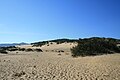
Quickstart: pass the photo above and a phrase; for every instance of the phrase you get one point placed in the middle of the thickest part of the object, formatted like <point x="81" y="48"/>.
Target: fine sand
<point x="52" y="65"/>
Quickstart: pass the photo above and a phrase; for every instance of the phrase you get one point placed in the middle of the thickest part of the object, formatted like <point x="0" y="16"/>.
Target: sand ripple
<point x="51" y="66"/>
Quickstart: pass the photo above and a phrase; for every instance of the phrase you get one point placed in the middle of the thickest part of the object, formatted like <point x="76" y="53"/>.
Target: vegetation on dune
<point x="38" y="50"/>
<point x="13" y="48"/>
<point x="85" y="47"/>
<point x="21" y="49"/>
<point x="57" y="41"/>
<point x="39" y="43"/>
<point x="3" y="51"/>
<point x="95" y="46"/>
<point x="29" y="49"/>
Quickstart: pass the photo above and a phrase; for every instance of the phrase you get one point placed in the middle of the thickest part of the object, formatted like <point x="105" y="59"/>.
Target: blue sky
<point x="36" y="20"/>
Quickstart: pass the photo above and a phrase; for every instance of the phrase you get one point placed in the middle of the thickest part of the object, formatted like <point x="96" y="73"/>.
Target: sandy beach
<point x="58" y="66"/>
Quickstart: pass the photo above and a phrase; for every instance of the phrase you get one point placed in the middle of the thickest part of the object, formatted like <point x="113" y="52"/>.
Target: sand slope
<point x="53" y="47"/>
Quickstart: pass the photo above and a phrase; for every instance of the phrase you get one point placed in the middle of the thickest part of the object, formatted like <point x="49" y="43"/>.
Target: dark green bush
<point x="29" y="49"/>
<point x="51" y="43"/>
<point x="39" y="44"/>
<point x="95" y="46"/>
<point x="60" y="51"/>
<point x="10" y="48"/>
<point x="38" y="50"/>
<point x="3" y="52"/>
<point x="21" y="49"/>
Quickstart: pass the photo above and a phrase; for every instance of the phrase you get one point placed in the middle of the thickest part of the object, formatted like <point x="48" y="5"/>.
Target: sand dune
<point x="51" y="66"/>
<point x="53" y="47"/>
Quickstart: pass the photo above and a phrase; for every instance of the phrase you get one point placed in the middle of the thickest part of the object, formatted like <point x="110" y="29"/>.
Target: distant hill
<point x="13" y="44"/>
<point x="59" y="41"/>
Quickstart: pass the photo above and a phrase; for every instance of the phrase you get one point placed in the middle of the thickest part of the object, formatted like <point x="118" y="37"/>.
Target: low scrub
<point x="29" y="49"/>
<point x="3" y="52"/>
<point x="12" y="49"/>
<point x="95" y="46"/>
<point x="38" y="50"/>
<point x="60" y="51"/>
<point x="21" y="49"/>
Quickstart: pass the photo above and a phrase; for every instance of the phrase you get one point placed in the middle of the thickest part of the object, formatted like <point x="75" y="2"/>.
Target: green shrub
<point x="21" y="49"/>
<point x="38" y="50"/>
<point x="3" y="52"/>
<point x="51" y="43"/>
<point x="12" y="49"/>
<point x="29" y="49"/>
<point x="95" y="46"/>
<point x="60" y="51"/>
